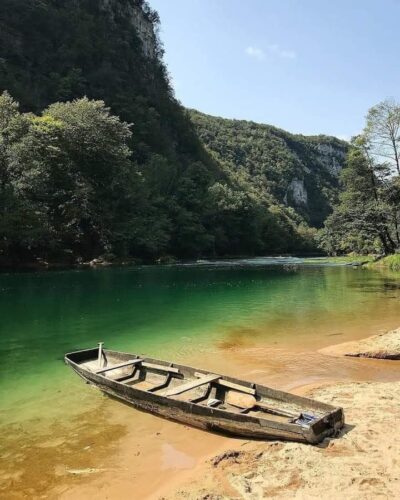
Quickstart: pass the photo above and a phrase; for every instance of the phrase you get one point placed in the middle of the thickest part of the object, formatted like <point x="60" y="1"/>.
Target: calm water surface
<point x="193" y="313"/>
<point x="173" y="311"/>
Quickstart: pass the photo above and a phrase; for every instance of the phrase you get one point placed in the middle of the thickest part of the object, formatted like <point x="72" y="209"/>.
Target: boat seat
<point x="161" y="368"/>
<point x="191" y="385"/>
<point x="125" y="364"/>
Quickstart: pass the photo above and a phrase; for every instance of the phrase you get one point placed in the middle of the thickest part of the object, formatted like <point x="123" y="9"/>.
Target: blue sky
<point x="308" y="66"/>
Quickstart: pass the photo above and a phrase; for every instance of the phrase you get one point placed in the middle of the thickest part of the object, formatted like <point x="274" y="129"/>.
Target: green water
<point x="175" y="312"/>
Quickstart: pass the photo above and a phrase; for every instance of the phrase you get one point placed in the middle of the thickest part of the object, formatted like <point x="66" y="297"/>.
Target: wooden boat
<point x="206" y="400"/>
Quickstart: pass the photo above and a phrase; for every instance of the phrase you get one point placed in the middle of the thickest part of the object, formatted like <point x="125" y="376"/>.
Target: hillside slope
<point x="188" y="187"/>
<point x="298" y="171"/>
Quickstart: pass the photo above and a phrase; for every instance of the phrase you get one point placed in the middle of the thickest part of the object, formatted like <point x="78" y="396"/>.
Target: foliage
<point x="76" y="181"/>
<point x="366" y="220"/>
<point x="391" y="262"/>
<point x="271" y="158"/>
<point x="382" y="132"/>
<point x="67" y="180"/>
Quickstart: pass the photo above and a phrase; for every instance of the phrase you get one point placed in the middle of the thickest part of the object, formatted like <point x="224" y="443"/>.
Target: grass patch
<point x="391" y="262"/>
<point x="344" y="259"/>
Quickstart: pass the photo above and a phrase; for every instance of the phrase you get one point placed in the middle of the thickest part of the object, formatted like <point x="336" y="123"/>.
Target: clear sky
<point x="308" y="66"/>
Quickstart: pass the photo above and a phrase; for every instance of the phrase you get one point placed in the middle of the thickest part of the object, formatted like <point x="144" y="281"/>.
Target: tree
<point x="367" y="217"/>
<point x="382" y="132"/>
<point x="68" y="172"/>
<point x="22" y="222"/>
<point x="365" y="220"/>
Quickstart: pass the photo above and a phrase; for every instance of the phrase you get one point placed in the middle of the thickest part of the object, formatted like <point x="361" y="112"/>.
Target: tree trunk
<point x="396" y="156"/>
<point x="396" y="228"/>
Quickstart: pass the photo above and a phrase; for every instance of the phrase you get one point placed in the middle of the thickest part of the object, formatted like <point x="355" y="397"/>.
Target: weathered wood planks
<point x="191" y="385"/>
<point x="131" y="362"/>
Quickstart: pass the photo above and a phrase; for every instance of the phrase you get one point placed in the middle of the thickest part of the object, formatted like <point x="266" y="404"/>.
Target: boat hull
<point x="212" y="419"/>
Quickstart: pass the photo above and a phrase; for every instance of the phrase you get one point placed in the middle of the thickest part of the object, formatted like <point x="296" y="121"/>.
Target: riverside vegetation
<point x="123" y="171"/>
<point x="98" y="158"/>
<point x="367" y="217"/>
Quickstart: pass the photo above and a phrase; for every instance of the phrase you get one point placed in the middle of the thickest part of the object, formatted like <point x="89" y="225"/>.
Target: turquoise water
<point x="206" y="315"/>
<point x="168" y="311"/>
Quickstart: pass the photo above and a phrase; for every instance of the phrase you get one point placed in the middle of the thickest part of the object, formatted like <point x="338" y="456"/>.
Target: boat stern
<point x="327" y="426"/>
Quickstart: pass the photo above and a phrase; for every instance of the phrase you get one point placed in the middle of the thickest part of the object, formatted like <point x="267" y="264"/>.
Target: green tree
<point x="72" y="168"/>
<point x="22" y="221"/>
<point x="382" y="132"/>
<point x="363" y="220"/>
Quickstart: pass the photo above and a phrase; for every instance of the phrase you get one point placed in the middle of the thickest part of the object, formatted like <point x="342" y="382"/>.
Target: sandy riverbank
<point x="153" y="458"/>
<point x="383" y="346"/>
<point x="363" y="463"/>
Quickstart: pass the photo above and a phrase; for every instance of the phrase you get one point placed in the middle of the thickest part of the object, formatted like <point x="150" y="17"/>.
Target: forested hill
<point x="299" y="171"/>
<point x="59" y="50"/>
<point x="97" y="157"/>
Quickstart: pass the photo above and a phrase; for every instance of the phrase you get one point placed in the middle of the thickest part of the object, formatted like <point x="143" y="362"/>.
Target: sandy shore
<point x="362" y="463"/>
<point x="130" y="454"/>
<point x="383" y="346"/>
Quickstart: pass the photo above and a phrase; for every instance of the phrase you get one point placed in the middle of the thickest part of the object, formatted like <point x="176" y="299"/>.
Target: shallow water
<point x="262" y="319"/>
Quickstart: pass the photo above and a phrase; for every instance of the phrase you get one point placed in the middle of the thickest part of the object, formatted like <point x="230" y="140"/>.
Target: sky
<point x="307" y="66"/>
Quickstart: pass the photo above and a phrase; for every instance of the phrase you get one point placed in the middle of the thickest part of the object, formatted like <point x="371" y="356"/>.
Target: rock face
<point x="296" y="193"/>
<point x="331" y="158"/>
<point x="141" y="18"/>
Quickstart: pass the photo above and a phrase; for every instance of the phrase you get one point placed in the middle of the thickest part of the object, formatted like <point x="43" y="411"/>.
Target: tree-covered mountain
<point x="299" y="171"/>
<point x="100" y="158"/>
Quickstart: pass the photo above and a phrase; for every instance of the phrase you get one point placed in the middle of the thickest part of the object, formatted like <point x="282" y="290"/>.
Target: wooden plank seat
<point x="232" y="385"/>
<point x="237" y="387"/>
<point x="131" y="362"/>
<point x="161" y="368"/>
<point x="191" y="385"/>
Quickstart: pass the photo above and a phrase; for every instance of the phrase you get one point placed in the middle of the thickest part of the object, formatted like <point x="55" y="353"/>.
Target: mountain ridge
<point x="243" y="144"/>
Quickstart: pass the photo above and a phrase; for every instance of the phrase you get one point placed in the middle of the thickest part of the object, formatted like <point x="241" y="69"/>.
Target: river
<point x="262" y="319"/>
